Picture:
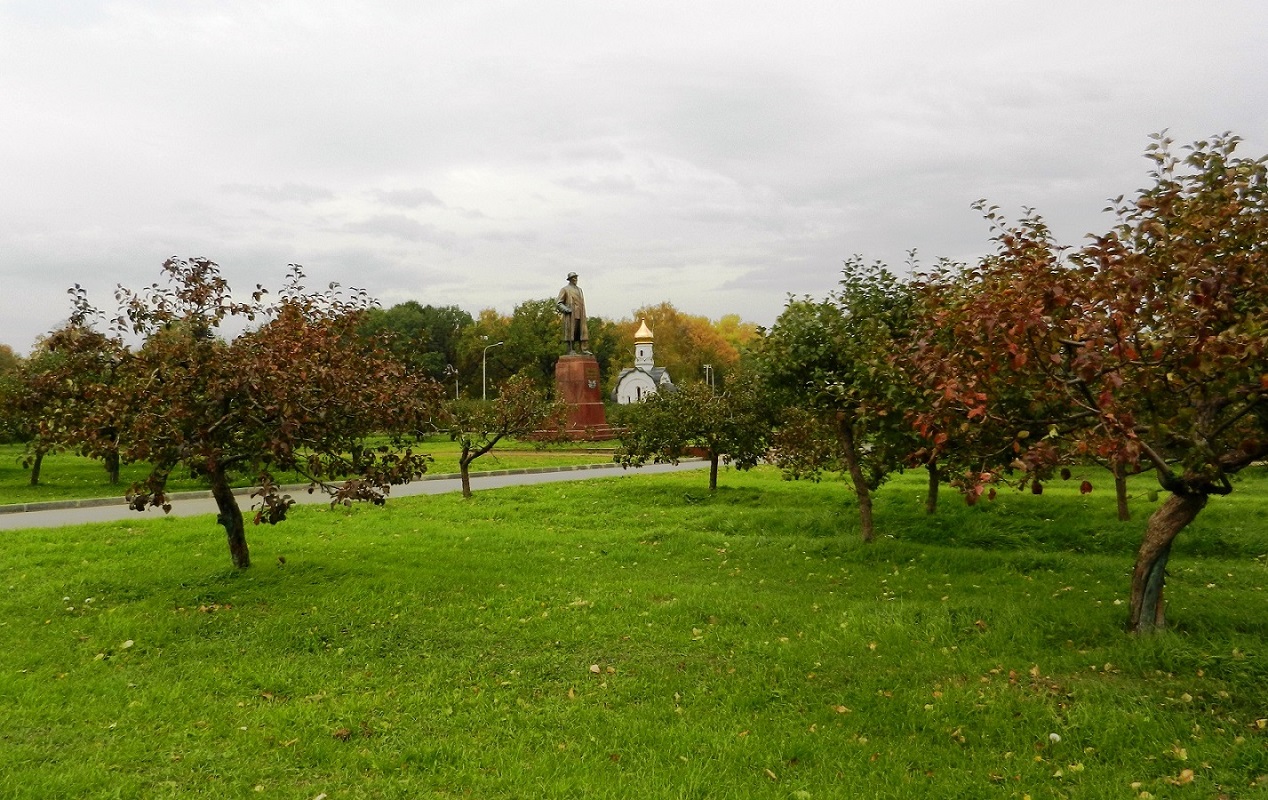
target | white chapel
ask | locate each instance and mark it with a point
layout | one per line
(634, 384)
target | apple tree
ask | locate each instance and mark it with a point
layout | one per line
(730, 425)
(298, 389)
(519, 409)
(837, 364)
(63, 396)
(1145, 349)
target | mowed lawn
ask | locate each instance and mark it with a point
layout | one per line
(70, 476)
(635, 637)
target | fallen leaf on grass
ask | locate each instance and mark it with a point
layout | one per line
(1184, 778)
(772, 775)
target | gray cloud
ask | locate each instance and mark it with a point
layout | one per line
(406, 198)
(715, 156)
(403, 227)
(288, 193)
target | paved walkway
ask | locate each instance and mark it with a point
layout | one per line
(190, 504)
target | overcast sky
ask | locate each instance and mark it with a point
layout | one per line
(718, 155)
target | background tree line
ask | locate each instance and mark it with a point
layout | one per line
(448, 343)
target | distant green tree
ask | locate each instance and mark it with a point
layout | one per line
(9, 360)
(606, 345)
(425, 338)
(534, 342)
(490, 328)
(11, 424)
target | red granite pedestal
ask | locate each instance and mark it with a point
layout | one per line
(577, 383)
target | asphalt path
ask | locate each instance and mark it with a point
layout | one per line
(192, 504)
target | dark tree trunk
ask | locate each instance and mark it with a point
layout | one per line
(464, 469)
(111, 458)
(713, 471)
(230, 518)
(867, 528)
(1147, 605)
(935, 480)
(112, 466)
(1120, 492)
(470, 454)
(36, 464)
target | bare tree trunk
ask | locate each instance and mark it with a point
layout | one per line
(935, 480)
(36, 464)
(1147, 605)
(230, 518)
(1120, 492)
(713, 471)
(867, 528)
(464, 469)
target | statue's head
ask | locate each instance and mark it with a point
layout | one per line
(572, 276)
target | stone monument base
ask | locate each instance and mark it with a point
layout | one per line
(577, 383)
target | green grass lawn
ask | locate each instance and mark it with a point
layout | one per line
(68, 476)
(635, 637)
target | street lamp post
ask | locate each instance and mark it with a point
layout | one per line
(484, 371)
(450, 369)
(708, 375)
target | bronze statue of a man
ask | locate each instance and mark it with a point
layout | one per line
(572, 304)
